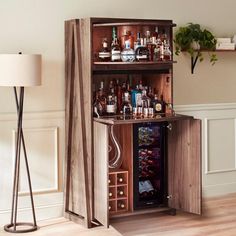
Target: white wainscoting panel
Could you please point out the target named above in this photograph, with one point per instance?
(44, 134)
(218, 145)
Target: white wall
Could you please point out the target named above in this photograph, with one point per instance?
(37, 26)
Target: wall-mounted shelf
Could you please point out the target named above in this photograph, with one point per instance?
(194, 59)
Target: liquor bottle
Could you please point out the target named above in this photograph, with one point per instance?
(102, 97)
(126, 106)
(155, 35)
(121, 205)
(119, 96)
(142, 52)
(111, 106)
(127, 36)
(137, 43)
(148, 37)
(145, 99)
(128, 54)
(157, 50)
(163, 35)
(115, 47)
(104, 53)
(157, 105)
(167, 52)
(97, 106)
(135, 96)
(150, 93)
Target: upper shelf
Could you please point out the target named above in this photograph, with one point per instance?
(129, 119)
(131, 66)
(139, 23)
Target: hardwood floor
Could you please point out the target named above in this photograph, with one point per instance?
(219, 219)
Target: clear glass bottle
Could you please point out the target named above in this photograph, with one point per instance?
(145, 99)
(128, 54)
(97, 106)
(155, 35)
(104, 53)
(111, 105)
(137, 43)
(126, 106)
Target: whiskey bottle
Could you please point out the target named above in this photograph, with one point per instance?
(104, 54)
(127, 36)
(142, 52)
(155, 35)
(119, 96)
(167, 51)
(111, 106)
(115, 47)
(157, 105)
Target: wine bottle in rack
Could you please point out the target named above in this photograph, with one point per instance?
(120, 193)
(110, 194)
(121, 205)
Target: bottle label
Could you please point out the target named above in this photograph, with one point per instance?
(104, 54)
(141, 57)
(141, 187)
(148, 186)
(115, 55)
(138, 99)
(111, 108)
(158, 107)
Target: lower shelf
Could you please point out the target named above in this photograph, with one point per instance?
(139, 212)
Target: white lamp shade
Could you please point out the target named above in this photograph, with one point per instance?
(20, 70)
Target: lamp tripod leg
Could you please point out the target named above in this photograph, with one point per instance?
(20, 140)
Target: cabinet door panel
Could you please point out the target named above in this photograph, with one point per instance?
(184, 165)
(101, 173)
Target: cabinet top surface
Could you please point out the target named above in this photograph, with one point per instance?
(129, 119)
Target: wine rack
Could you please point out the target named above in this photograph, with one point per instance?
(118, 191)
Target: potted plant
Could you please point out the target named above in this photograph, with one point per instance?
(193, 39)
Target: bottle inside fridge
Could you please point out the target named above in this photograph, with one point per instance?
(149, 157)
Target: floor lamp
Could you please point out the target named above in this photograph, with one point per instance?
(20, 71)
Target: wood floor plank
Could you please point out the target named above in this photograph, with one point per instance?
(219, 218)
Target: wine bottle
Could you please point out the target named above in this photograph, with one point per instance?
(121, 205)
(120, 180)
(121, 193)
(110, 194)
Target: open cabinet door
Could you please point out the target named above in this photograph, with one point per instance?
(184, 165)
(77, 204)
(101, 173)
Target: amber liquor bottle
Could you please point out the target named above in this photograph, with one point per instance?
(104, 53)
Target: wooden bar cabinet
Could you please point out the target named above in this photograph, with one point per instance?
(93, 192)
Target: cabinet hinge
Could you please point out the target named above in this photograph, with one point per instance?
(169, 127)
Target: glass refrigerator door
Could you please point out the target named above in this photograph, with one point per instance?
(148, 160)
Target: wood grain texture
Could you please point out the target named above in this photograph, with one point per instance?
(76, 149)
(184, 165)
(101, 173)
(218, 219)
(86, 52)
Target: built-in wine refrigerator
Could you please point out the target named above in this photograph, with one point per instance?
(149, 164)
